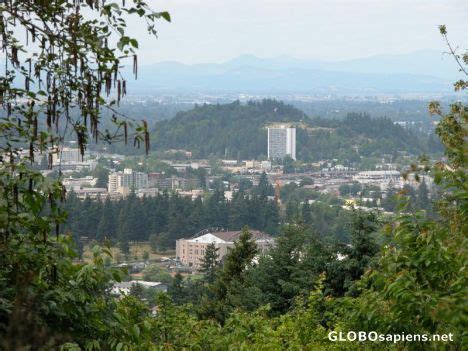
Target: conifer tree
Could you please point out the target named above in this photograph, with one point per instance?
(176, 289)
(106, 226)
(264, 188)
(210, 262)
(218, 302)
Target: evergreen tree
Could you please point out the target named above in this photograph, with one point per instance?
(288, 165)
(216, 209)
(264, 188)
(239, 211)
(356, 257)
(176, 289)
(102, 175)
(106, 225)
(290, 269)
(154, 243)
(292, 212)
(220, 299)
(239, 258)
(123, 232)
(209, 263)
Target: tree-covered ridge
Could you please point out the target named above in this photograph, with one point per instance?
(232, 130)
(359, 135)
(238, 130)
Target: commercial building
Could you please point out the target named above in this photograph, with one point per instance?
(191, 251)
(91, 193)
(71, 183)
(67, 155)
(124, 182)
(281, 142)
(157, 180)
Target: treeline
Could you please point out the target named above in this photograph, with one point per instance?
(238, 131)
(170, 216)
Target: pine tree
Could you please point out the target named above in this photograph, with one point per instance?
(106, 225)
(218, 302)
(209, 264)
(264, 188)
(341, 274)
(176, 289)
(288, 165)
(239, 211)
(237, 261)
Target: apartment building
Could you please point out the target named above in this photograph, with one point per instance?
(281, 142)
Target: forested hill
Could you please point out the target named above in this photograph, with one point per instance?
(238, 131)
(231, 130)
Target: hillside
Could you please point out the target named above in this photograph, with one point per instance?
(238, 131)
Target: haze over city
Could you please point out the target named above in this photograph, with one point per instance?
(205, 31)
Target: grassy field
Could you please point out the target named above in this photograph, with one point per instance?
(137, 251)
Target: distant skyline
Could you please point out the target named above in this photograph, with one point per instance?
(216, 31)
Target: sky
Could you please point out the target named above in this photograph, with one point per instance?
(219, 30)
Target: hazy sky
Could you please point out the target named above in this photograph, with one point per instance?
(218, 30)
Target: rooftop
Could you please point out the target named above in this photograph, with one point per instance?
(227, 237)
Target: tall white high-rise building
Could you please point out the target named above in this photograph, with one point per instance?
(281, 142)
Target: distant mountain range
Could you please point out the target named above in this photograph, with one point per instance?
(421, 72)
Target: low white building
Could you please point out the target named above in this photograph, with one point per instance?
(71, 183)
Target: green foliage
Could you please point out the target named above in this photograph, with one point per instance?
(102, 174)
(176, 289)
(209, 263)
(163, 219)
(229, 281)
(356, 258)
(57, 77)
(288, 165)
(137, 290)
(287, 272)
(264, 188)
(420, 283)
(156, 273)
